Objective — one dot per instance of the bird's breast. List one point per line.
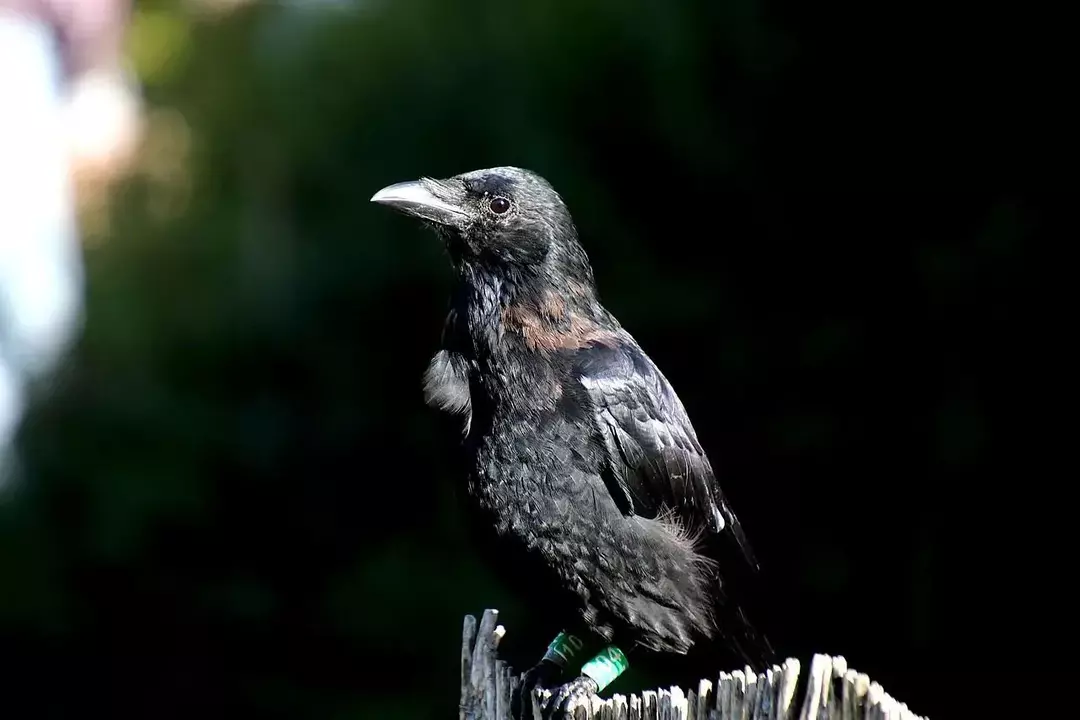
(517, 388)
(530, 447)
(537, 480)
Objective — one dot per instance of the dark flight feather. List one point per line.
(655, 458)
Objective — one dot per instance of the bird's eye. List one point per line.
(499, 205)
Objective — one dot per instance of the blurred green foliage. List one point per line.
(232, 494)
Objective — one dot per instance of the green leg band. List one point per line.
(608, 664)
(564, 649)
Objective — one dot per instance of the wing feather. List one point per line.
(656, 463)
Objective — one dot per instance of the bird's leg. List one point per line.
(596, 675)
(565, 650)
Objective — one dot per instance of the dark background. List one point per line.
(816, 219)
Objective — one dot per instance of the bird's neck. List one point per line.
(507, 312)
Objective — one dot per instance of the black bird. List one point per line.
(581, 459)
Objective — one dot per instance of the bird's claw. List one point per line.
(535, 678)
(562, 698)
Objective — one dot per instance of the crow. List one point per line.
(582, 465)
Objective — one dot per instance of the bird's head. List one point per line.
(502, 220)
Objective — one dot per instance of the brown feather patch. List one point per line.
(551, 326)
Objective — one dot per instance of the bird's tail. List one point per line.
(736, 631)
(735, 642)
(742, 605)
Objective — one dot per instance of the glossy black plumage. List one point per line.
(581, 458)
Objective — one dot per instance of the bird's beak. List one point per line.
(418, 198)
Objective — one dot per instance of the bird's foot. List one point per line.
(539, 677)
(596, 675)
(564, 697)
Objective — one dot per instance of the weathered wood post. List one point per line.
(833, 691)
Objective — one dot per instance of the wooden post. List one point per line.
(833, 691)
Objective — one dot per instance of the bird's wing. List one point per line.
(656, 463)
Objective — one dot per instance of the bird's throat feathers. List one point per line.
(510, 312)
